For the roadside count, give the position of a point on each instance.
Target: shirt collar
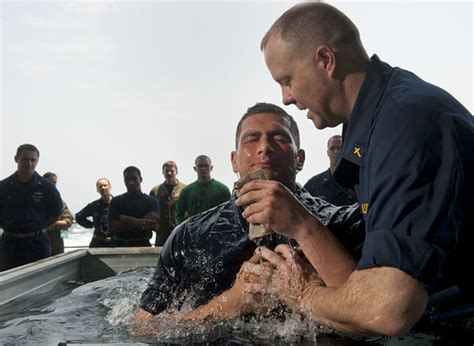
(355, 132)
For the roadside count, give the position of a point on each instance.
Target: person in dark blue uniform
(99, 211)
(28, 205)
(133, 216)
(201, 258)
(407, 150)
(324, 186)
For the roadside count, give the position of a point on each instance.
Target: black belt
(24, 235)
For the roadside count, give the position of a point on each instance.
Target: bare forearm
(325, 253)
(60, 224)
(378, 301)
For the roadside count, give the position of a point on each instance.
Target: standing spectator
(167, 194)
(28, 205)
(99, 211)
(205, 193)
(64, 222)
(133, 215)
(324, 186)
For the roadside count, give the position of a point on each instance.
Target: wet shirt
(135, 205)
(99, 210)
(26, 207)
(324, 186)
(198, 197)
(202, 256)
(408, 151)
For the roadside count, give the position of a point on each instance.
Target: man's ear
(16, 158)
(195, 170)
(301, 156)
(326, 56)
(233, 160)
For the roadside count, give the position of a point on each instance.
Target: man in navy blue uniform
(323, 184)
(99, 211)
(28, 205)
(407, 150)
(133, 216)
(200, 260)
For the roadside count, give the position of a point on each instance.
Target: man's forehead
(28, 153)
(264, 122)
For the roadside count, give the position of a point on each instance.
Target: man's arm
(65, 221)
(83, 214)
(149, 222)
(376, 301)
(181, 207)
(271, 203)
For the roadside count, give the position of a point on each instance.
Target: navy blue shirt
(324, 186)
(135, 205)
(408, 150)
(202, 256)
(99, 210)
(26, 206)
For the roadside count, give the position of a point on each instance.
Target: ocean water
(78, 237)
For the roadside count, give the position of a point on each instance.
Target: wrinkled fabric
(202, 256)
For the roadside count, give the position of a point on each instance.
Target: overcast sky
(98, 86)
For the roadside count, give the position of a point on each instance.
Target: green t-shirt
(196, 198)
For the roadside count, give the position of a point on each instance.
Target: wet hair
(335, 136)
(107, 180)
(261, 108)
(48, 175)
(202, 157)
(169, 164)
(311, 24)
(130, 169)
(30, 147)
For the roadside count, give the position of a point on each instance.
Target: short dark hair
(48, 175)
(262, 107)
(132, 169)
(202, 157)
(335, 136)
(26, 147)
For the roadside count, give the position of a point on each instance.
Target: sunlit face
(266, 143)
(26, 162)
(334, 146)
(103, 188)
(303, 79)
(132, 181)
(169, 172)
(203, 168)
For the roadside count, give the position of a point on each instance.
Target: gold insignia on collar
(357, 151)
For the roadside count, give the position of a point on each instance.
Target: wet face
(103, 188)
(304, 79)
(169, 172)
(26, 162)
(334, 146)
(203, 169)
(266, 143)
(132, 181)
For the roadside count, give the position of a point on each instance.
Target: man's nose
(288, 98)
(264, 145)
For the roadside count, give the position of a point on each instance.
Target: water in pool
(102, 312)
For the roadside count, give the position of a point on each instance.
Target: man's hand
(272, 204)
(289, 279)
(235, 301)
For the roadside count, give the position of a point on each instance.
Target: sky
(101, 85)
